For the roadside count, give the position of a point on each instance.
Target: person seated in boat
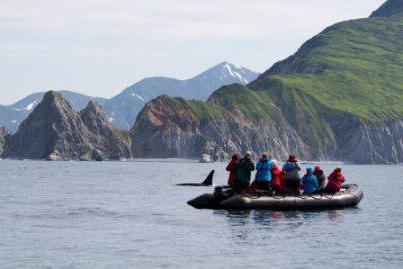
(243, 173)
(335, 181)
(320, 175)
(292, 177)
(231, 167)
(310, 182)
(263, 174)
(277, 178)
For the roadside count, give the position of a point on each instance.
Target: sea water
(131, 215)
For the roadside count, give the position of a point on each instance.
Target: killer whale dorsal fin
(209, 180)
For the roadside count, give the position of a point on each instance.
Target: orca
(207, 182)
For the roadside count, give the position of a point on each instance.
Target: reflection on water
(239, 222)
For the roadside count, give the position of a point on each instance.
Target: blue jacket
(310, 183)
(263, 168)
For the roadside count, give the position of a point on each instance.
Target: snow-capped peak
(234, 72)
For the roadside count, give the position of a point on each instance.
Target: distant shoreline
(195, 161)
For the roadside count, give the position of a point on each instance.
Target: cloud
(168, 37)
(173, 18)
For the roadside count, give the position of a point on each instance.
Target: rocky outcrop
(55, 131)
(109, 142)
(3, 135)
(176, 131)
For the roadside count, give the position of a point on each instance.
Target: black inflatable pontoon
(349, 196)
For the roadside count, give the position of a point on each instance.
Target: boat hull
(350, 196)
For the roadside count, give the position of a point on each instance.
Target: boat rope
(278, 197)
(313, 196)
(331, 196)
(254, 195)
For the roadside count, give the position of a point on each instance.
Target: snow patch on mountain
(30, 106)
(235, 74)
(138, 97)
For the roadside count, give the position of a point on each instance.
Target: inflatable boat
(222, 198)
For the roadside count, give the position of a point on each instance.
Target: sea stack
(55, 131)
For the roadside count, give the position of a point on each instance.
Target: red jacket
(336, 180)
(277, 179)
(231, 167)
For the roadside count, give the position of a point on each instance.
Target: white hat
(248, 153)
(274, 162)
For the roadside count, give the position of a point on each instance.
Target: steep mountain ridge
(340, 97)
(390, 8)
(55, 131)
(109, 142)
(123, 109)
(11, 116)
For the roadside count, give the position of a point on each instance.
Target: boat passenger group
(285, 181)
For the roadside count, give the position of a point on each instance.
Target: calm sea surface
(130, 215)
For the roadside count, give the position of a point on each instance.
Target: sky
(99, 47)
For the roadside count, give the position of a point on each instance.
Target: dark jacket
(231, 167)
(243, 170)
(292, 171)
(320, 175)
(292, 178)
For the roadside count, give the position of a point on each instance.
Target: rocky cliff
(340, 97)
(55, 131)
(103, 136)
(3, 135)
(180, 130)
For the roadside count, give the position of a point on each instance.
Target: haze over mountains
(124, 107)
(339, 97)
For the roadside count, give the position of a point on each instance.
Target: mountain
(122, 109)
(55, 131)
(11, 116)
(339, 97)
(389, 9)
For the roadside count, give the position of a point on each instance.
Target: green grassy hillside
(340, 95)
(354, 66)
